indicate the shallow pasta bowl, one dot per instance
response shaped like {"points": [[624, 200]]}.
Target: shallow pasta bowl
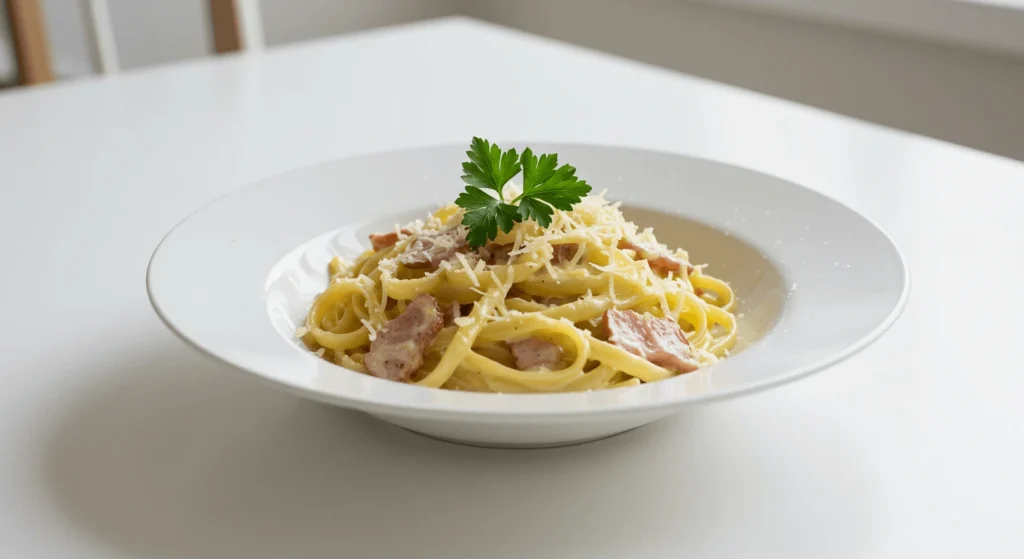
{"points": [[816, 282]]}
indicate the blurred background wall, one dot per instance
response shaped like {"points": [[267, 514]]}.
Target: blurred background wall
{"points": [[951, 69]]}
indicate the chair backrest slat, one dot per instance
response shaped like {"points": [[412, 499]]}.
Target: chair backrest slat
{"points": [[227, 25], [31, 45], [100, 31], [235, 24]]}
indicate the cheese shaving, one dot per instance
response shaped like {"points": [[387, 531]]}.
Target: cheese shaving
{"points": [[369, 326], [468, 268]]}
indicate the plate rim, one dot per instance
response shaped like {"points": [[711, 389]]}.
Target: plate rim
{"points": [[416, 409]]}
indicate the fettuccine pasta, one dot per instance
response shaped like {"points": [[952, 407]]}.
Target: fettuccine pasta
{"points": [[590, 302]]}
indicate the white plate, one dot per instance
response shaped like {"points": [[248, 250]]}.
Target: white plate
{"points": [[816, 282]]}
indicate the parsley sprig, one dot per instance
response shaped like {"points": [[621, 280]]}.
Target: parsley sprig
{"points": [[545, 186]]}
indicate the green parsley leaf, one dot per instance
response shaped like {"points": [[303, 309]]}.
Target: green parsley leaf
{"points": [[536, 171], [488, 166], [546, 187], [484, 214], [538, 211], [543, 185]]}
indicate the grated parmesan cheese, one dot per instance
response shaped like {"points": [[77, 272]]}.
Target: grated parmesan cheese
{"points": [[551, 271], [469, 269], [369, 326], [655, 284], [580, 251]]}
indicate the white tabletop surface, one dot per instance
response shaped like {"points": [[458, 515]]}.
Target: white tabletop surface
{"points": [[119, 441]]}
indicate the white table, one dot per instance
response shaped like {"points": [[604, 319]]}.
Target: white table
{"points": [[119, 441]]}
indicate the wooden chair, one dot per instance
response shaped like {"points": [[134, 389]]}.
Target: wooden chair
{"points": [[235, 25]]}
